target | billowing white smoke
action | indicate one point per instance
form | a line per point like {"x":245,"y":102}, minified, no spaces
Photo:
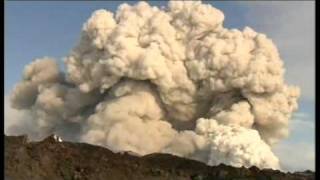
{"x":149,"y":80}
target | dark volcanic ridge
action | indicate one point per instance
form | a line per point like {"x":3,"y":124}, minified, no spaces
{"x":51,"y":159}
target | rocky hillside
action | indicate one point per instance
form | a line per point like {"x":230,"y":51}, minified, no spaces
{"x":51,"y":159}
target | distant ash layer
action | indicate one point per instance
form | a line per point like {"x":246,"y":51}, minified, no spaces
{"x":164,"y":80}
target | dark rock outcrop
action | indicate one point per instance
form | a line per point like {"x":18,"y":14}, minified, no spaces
{"x":53,"y":160}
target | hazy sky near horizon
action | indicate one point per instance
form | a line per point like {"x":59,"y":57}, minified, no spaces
{"x":52,"y":28}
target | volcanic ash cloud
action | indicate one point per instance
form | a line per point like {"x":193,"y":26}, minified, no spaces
{"x":168,"y":80}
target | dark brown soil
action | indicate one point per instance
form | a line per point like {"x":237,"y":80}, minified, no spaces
{"x":53,"y":160}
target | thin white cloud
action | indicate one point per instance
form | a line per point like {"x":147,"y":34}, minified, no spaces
{"x":300,"y":115}
{"x":301,"y":120}
{"x":302,"y":124}
{"x":296,"y":156}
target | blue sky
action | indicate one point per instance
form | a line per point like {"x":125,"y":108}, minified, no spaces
{"x":37,"y":29}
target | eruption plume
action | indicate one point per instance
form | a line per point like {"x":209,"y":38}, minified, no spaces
{"x":168,"y":80}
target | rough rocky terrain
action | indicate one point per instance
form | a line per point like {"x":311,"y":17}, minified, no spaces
{"x":53,"y":160}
